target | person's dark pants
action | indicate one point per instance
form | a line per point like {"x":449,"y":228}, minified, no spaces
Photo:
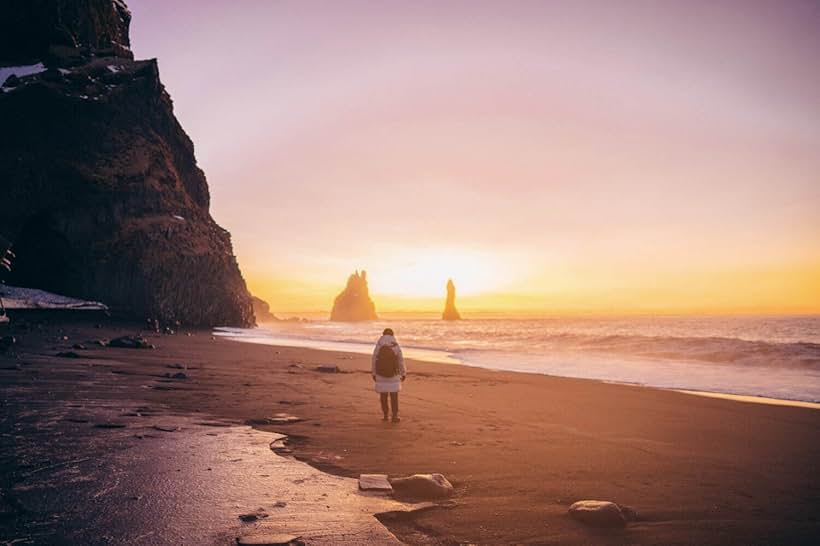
{"x":394,"y":402}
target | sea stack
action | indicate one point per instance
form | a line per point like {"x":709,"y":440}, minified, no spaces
{"x":102,"y":195}
{"x":450,"y":311}
{"x":354,"y":303}
{"x":261,"y":310}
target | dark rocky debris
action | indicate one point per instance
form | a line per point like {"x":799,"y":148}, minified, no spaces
{"x":130,"y":342}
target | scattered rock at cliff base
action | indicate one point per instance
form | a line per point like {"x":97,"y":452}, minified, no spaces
{"x":601,"y":513}
{"x":375,"y":482}
{"x":423,"y":486}
{"x":450,"y":311}
{"x":6,"y":342}
{"x":68,"y":354}
{"x":130,"y":342}
{"x":269,"y":539}
{"x":354,"y":303}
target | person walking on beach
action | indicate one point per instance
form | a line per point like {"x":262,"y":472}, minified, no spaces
{"x":387,"y":368}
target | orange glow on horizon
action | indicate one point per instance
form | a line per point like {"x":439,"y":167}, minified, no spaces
{"x":774,"y":291}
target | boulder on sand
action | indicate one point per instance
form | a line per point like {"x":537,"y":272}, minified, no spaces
{"x":601,"y":513}
{"x":423,"y":486}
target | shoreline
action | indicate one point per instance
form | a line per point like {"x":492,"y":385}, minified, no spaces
{"x":441,"y":356}
{"x":754,"y":399}
{"x":519,"y":448}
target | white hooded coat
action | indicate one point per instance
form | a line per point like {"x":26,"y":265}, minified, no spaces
{"x":388,"y":384}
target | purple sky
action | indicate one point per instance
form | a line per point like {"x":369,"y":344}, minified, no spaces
{"x":547,"y":155}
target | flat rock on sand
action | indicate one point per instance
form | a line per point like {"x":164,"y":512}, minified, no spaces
{"x":375,"y":482}
{"x":599,"y":513}
{"x":283,"y":419}
{"x":265,"y":539}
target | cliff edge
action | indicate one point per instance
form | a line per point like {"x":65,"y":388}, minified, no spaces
{"x":103,"y":198}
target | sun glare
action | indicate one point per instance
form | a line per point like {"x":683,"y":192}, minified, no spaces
{"x":425,"y":274}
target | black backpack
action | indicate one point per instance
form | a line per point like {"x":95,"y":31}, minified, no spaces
{"x":387,"y":363}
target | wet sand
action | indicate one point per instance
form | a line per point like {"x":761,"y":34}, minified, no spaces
{"x":519,"y":448}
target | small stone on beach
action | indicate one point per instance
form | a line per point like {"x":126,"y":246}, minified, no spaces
{"x":601,"y":513}
{"x":253,"y":516}
{"x":263,"y":539}
{"x":166,"y":428}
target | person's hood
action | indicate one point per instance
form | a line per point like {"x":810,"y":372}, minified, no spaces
{"x":387,"y":340}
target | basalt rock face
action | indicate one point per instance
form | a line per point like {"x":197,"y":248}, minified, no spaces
{"x":101,"y":193}
{"x":450,"y":311}
{"x":34,"y":30}
{"x":354,"y":303}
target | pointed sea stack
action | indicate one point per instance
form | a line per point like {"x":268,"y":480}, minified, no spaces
{"x":102,"y":195}
{"x":354,"y":303}
{"x":450,"y":311}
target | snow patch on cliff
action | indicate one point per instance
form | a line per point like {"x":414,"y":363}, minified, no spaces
{"x":20,"y":71}
{"x":15,"y":297}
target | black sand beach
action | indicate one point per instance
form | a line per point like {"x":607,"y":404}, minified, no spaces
{"x":106,"y":448}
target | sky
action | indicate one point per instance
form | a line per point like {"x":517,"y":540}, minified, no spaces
{"x":550,"y":157}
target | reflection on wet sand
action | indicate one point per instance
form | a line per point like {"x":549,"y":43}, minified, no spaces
{"x":117,"y":471}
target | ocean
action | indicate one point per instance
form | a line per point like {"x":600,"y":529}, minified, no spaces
{"x":764,"y":356}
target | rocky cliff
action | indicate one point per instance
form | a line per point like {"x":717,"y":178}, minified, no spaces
{"x":450,"y":311}
{"x":354,"y":303}
{"x":101,"y":192}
